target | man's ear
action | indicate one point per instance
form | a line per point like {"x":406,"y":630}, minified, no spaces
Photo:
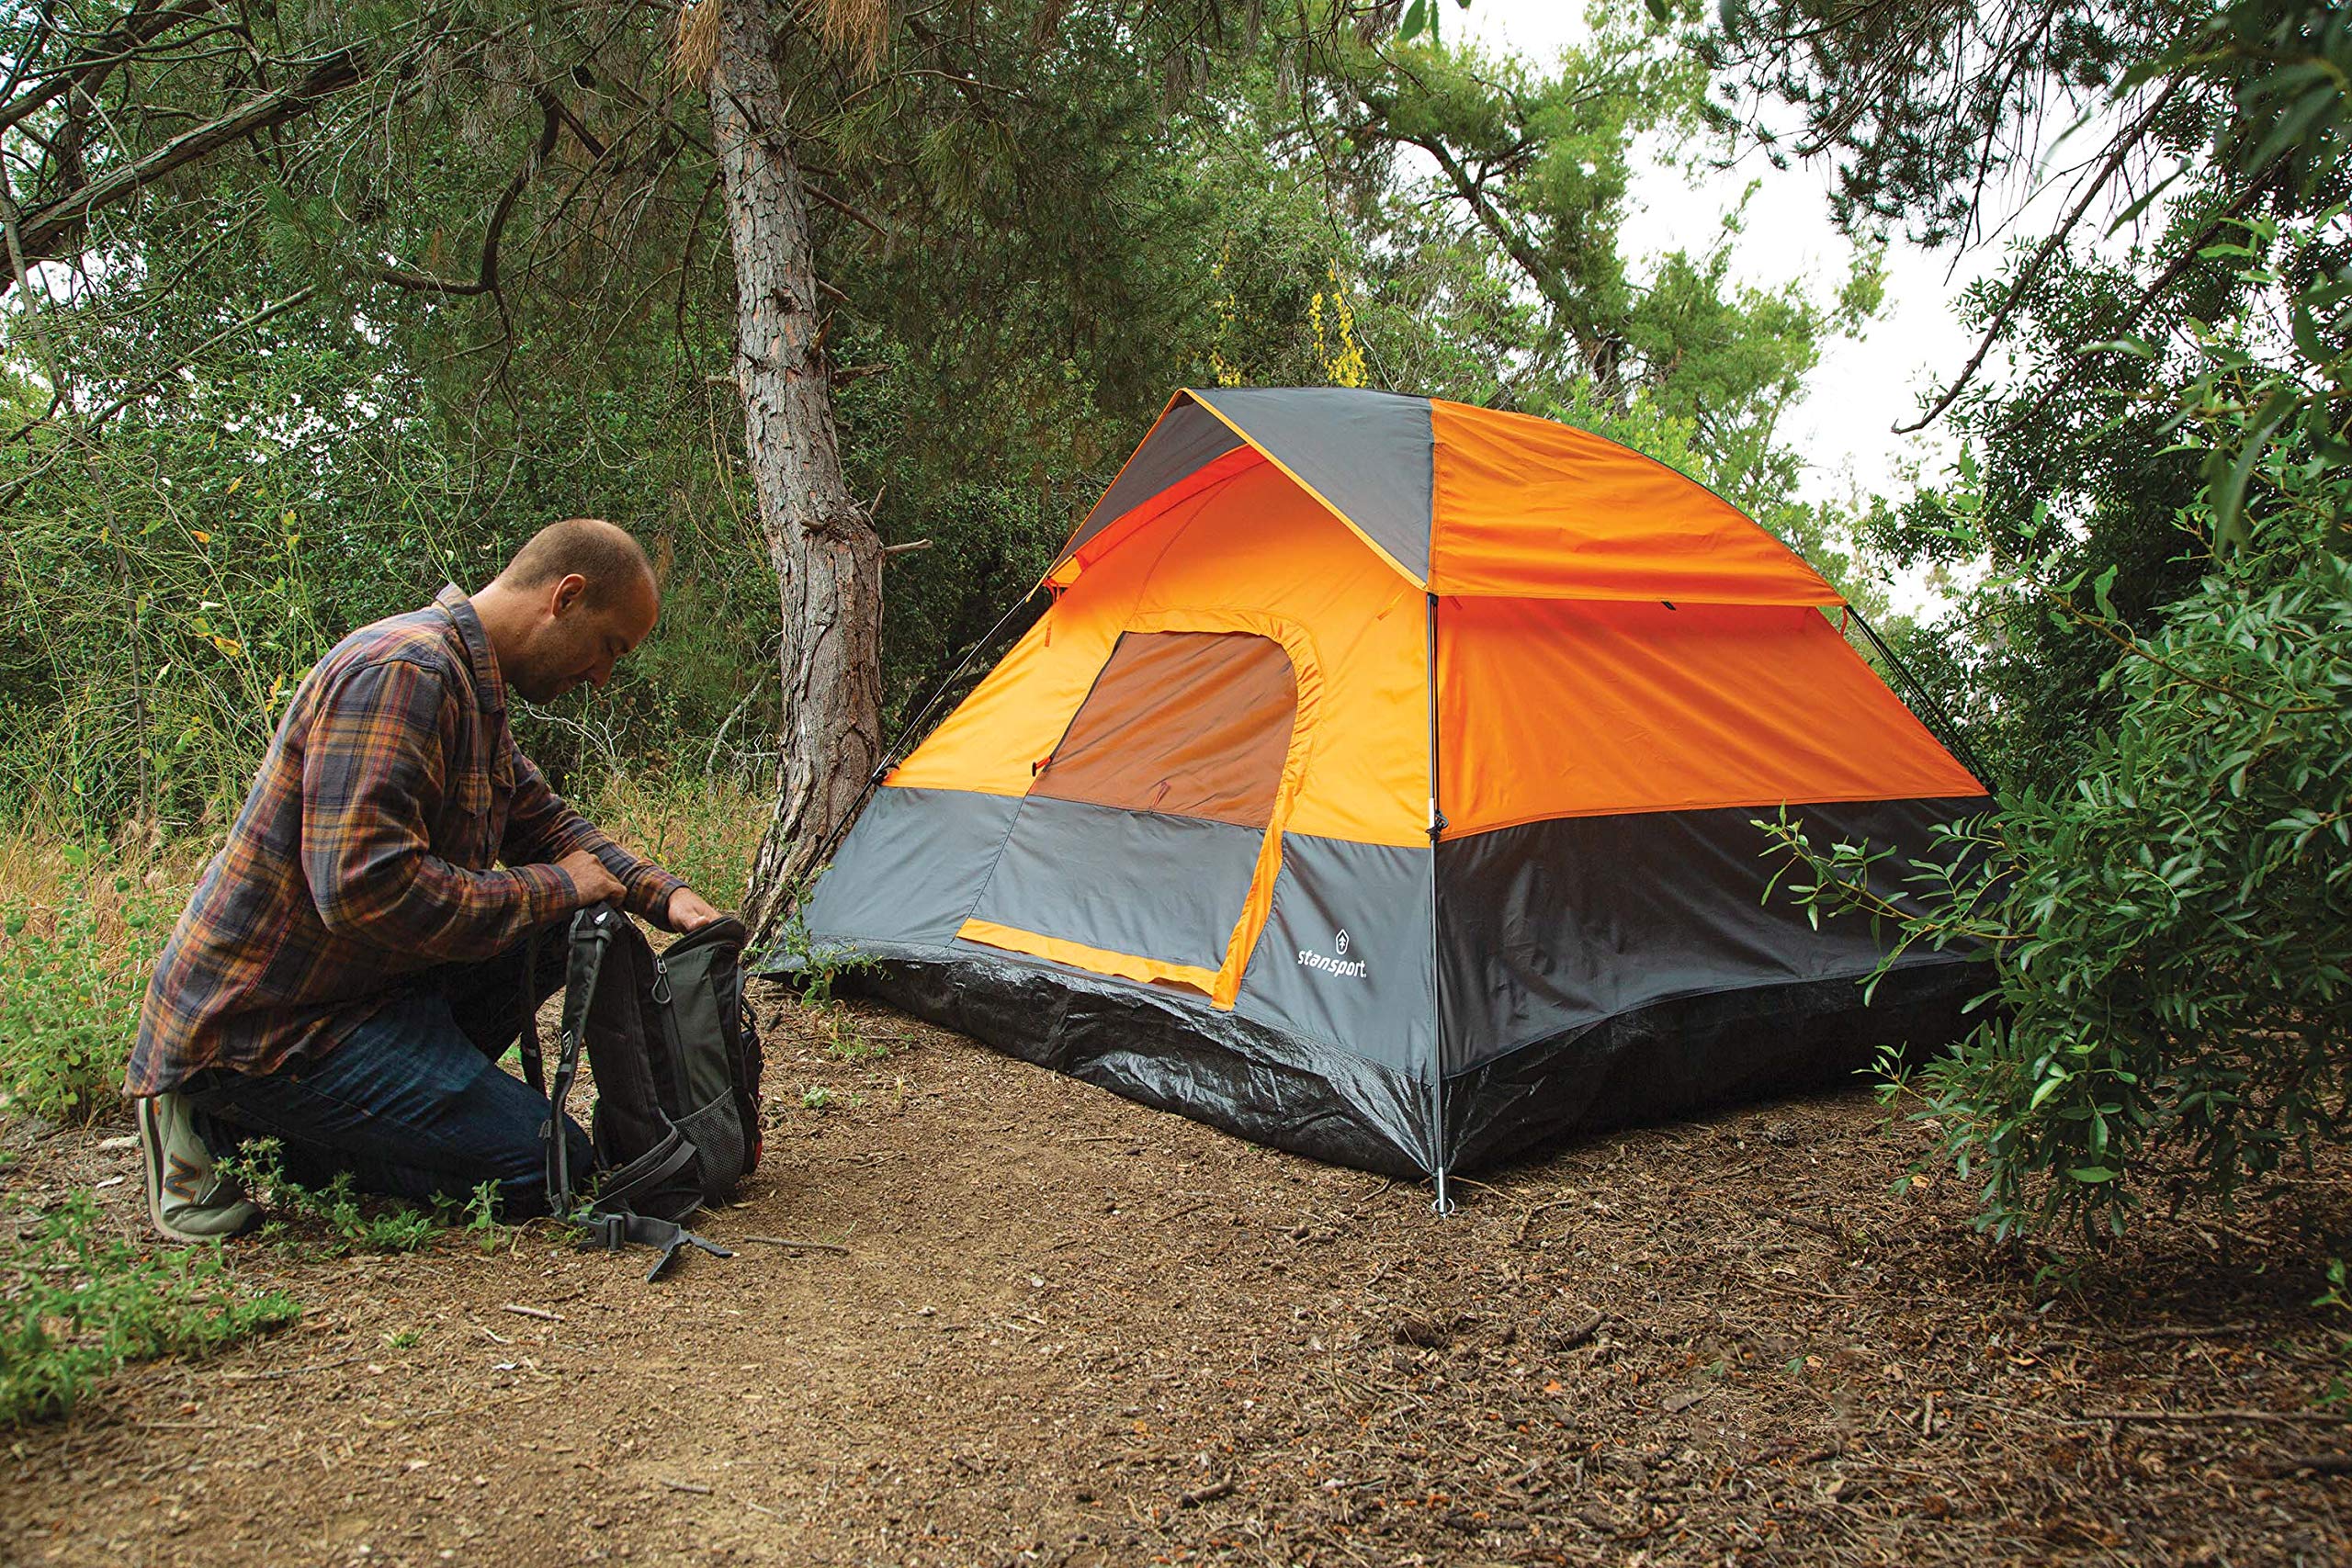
{"x":568,"y":591}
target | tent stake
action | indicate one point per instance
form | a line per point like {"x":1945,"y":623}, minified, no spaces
{"x":1445,"y":1205}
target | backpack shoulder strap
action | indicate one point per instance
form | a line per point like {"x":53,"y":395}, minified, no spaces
{"x":621,"y":1189}
{"x":534,"y":1072}
{"x":591,"y":934}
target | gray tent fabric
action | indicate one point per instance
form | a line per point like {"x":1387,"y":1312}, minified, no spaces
{"x":1069,"y":870}
{"x":1187,"y":437}
{"x":1368,"y":453}
{"x":1344,"y":960}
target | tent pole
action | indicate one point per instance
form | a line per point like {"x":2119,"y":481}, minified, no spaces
{"x":1952,"y":736}
{"x":1444,"y":1201}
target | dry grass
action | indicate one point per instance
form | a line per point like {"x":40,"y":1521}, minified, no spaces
{"x":707,"y":833}
{"x":44,"y":871}
{"x":858,"y":30}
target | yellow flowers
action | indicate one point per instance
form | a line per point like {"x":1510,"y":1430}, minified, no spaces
{"x":1229,"y":310}
{"x":1345,"y":366}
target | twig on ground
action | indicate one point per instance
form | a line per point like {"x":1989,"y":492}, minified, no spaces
{"x":1581,"y":1332}
{"x":686,"y":1486}
{"x":1528,"y":1218}
{"x":797,"y":1244}
{"x":540,"y":1313}
{"x":2186,"y":1417}
{"x":1802,"y":1221}
{"x":2217,"y":1331}
{"x":288,"y":1372}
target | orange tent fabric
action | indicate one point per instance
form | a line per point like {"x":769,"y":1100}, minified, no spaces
{"x":1526,"y":508}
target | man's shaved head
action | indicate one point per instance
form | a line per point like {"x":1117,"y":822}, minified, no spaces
{"x":572,"y":601}
{"x":612,"y":562}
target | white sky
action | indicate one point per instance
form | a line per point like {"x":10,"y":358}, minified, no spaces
{"x":1863,"y":387}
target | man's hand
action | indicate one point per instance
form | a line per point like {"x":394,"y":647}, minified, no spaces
{"x":689,"y":911}
{"x":596,"y":885}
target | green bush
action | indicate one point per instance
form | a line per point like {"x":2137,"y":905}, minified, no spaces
{"x":2170,"y":939}
{"x":72,"y":975}
{"x":74,"y":1307}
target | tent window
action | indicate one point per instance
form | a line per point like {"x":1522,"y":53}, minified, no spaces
{"x":1189,"y":724}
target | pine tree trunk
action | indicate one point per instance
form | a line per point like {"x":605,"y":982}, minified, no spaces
{"x":827,"y":558}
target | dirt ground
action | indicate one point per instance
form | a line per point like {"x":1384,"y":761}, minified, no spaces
{"x":1069,"y":1330}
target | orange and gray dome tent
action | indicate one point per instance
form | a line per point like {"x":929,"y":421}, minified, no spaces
{"x":1380,"y":783}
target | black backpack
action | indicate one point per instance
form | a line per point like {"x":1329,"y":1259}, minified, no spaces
{"x":677,"y":1066}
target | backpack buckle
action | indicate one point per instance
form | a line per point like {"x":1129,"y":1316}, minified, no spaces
{"x":606,"y":1233}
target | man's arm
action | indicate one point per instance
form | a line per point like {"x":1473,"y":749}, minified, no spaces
{"x":542,"y":826}
{"x":373,"y":755}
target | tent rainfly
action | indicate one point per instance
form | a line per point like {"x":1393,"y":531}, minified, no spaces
{"x":1380,"y":785}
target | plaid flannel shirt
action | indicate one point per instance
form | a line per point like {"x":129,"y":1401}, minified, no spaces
{"x":365,"y":854}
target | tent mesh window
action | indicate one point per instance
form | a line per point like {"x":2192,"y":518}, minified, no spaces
{"x":1187,"y":724}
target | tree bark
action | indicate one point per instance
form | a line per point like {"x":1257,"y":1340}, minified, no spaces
{"x":827,"y":556}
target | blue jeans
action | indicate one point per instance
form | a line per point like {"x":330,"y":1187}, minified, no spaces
{"x":412,"y":1102}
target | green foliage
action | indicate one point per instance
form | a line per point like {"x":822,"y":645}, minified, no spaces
{"x":75,"y":1304}
{"x":1923,"y":110}
{"x":2189,"y":121}
{"x":1021,"y":273}
{"x":71,"y":975}
{"x":2171,"y":936}
{"x":298,"y":1214}
{"x":2338,"y":1302}
{"x":1502,"y":278}
{"x":816,"y":966}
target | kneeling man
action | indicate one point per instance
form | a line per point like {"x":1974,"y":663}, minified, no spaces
{"x":353,"y":963}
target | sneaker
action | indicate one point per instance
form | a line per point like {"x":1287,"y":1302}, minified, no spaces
{"x":188,"y":1198}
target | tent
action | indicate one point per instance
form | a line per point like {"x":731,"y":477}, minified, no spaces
{"x":1380,"y":785}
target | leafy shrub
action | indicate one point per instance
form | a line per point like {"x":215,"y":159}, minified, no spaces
{"x":74,"y":1307}
{"x":813,"y":966}
{"x":72,"y":975}
{"x":351,"y":1223}
{"x":2171,"y":939}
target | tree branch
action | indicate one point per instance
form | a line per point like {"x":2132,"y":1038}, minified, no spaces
{"x":53,"y":225}
{"x":843,"y":207}
{"x":142,"y":388}
{"x":137,"y":30}
{"x":486,"y":280}
{"x":2031,"y":271}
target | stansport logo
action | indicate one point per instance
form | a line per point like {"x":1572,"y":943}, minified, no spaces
{"x":1336,"y":963}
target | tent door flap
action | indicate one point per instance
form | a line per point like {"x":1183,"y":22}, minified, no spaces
{"x":1135,"y":849}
